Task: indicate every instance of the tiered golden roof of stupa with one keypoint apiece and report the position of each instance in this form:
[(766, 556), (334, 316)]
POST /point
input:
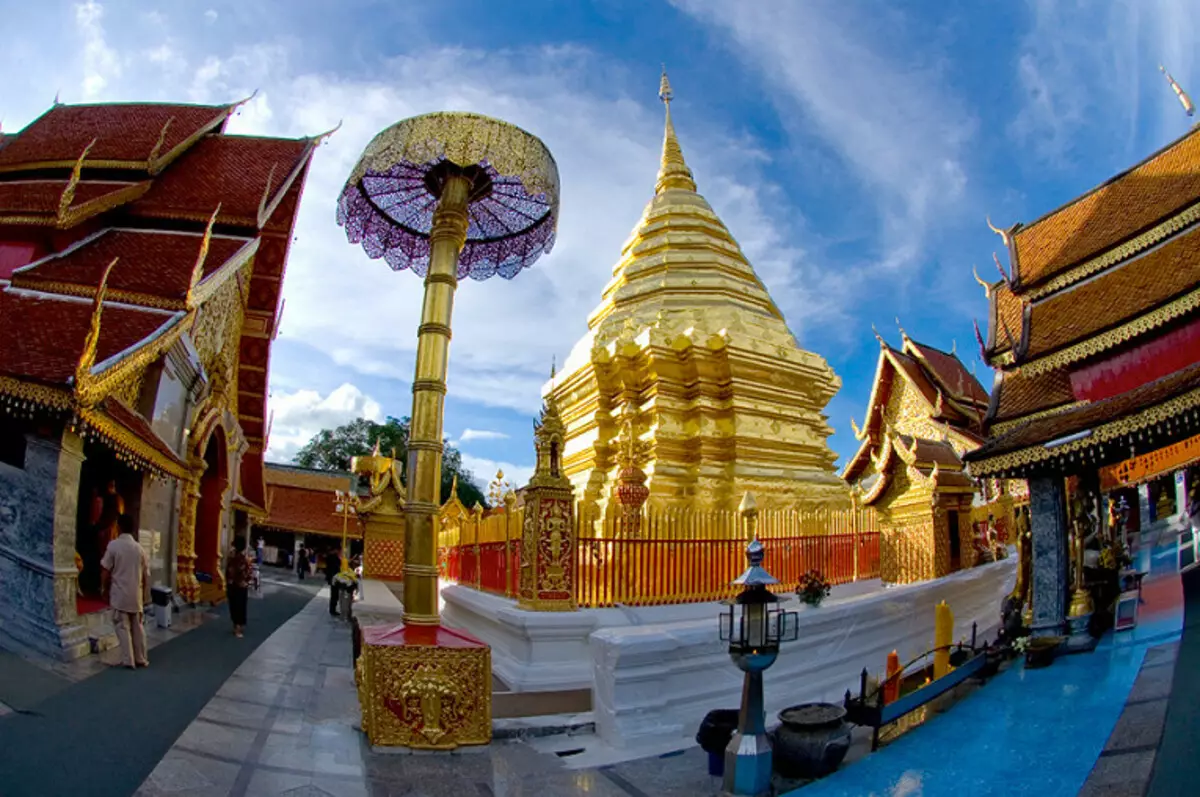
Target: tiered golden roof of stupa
[(688, 344)]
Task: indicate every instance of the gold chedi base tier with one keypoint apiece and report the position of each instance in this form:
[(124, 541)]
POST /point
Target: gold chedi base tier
[(424, 687), (688, 349)]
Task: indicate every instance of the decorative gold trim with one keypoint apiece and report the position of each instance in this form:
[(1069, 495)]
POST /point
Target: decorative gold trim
[(205, 290), (201, 257), (1107, 340), (134, 448), (99, 386), (1116, 255), (67, 197), (87, 358), (1101, 434), (24, 281), (1004, 426), (32, 393)]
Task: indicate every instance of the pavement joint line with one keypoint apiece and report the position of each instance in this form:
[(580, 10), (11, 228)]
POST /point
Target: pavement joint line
[(1143, 701), (246, 772), (620, 781), (1157, 664), (254, 765), (240, 726), (1141, 748)]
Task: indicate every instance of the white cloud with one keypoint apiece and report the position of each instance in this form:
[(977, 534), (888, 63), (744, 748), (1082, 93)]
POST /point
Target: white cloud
[(101, 63), (889, 119), (210, 16), (484, 470), (297, 417), (480, 434)]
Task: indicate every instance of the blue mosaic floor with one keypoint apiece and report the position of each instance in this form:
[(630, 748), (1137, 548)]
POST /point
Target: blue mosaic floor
[(1026, 732)]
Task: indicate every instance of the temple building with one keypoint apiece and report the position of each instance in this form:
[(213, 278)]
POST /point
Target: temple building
[(142, 254), (1095, 338), (688, 353), (924, 413), (302, 510)]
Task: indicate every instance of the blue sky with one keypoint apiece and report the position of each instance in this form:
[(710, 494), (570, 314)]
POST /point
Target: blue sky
[(853, 148)]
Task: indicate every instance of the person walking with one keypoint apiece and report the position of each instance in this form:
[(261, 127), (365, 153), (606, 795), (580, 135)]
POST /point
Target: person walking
[(258, 552), (333, 566), (237, 584), (302, 562), (125, 580)]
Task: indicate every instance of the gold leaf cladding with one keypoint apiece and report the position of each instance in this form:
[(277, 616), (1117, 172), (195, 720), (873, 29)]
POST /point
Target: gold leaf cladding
[(215, 335)]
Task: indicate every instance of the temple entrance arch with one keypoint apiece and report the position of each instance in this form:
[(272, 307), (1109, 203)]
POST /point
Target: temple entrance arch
[(209, 509)]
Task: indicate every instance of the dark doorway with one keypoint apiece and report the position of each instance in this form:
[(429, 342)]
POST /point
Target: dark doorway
[(108, 488)]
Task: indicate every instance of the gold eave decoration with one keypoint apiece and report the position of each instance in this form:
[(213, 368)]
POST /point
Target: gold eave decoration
[(21, 395), (1110, 258), (1006, 426), (463, 138), (1101, 434), (74, 214), (89, 292), (129, 446), (1114, 337)]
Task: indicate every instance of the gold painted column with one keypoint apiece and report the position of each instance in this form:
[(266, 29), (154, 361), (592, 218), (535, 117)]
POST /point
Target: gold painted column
[(185, 551), (447, 238)]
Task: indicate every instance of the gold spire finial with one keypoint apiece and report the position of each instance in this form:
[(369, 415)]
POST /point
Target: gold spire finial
[(673, 171), (1184, 99), (87, 358), (375, 452), (1005, 235), (198, 269), (987, 288), (68, 194)]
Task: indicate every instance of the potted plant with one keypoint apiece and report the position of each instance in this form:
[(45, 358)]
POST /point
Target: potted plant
[(813, 588)]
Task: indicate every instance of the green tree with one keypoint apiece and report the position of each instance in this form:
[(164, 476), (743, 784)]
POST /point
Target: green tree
[(332, 449)]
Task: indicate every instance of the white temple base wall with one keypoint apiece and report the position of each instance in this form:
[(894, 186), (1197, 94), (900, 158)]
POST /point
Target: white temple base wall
[(549, 651), (658, 681)]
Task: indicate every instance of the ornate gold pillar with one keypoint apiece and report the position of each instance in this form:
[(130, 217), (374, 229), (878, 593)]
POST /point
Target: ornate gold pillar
[(447, 238), (185, 551)]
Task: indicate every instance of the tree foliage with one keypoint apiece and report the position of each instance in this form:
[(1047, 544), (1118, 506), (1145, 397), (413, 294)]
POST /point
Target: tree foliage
[(332, 449)]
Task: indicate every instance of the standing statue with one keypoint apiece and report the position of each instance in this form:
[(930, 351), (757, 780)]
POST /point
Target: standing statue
[(1084, 532)]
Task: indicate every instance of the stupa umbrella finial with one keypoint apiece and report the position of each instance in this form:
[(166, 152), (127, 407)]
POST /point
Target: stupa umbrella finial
[(1184, 99), (673, 172)]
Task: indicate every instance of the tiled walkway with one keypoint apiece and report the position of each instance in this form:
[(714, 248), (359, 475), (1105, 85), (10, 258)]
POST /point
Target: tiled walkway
[(1031, 732), (287, 723)]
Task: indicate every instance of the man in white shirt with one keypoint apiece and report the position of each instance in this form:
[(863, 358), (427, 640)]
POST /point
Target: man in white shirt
[(125, 578)]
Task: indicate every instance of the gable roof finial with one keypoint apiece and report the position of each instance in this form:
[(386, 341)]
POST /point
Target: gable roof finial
[(987, 288), (1184, 99), (1000, 268), (91, 344), (1005, 235), (878, 337), (68, 194), (198, 269), (903, 334), (673, 171)]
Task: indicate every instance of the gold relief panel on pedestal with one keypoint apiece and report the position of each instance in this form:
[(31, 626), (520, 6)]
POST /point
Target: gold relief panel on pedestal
[(426, 697)]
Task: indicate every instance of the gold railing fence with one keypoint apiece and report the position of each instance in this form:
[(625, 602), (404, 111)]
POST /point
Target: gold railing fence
[(668, 523)]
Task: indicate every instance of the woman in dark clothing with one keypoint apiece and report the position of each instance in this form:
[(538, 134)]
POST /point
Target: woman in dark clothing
[(237, 584)]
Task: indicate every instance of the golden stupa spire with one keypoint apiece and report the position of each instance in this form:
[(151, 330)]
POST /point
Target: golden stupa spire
[(1184, 99), (674, 172)]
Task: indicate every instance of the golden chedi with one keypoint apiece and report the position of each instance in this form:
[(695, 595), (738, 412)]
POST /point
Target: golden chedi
[(689, 354)]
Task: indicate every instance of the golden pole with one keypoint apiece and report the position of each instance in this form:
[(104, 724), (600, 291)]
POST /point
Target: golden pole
[(447, 237)]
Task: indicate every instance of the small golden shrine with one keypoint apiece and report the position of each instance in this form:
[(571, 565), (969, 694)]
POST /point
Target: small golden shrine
[(924, 413), (381, 513), (689, 345), (547, 581)]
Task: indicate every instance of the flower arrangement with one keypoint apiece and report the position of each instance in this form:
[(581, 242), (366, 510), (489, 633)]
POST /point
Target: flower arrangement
[(1114, 557), (813, 588), (1021, 644), (346, 581)]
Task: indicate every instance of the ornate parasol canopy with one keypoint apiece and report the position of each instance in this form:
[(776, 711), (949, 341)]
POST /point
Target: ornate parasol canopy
[(389, 199)]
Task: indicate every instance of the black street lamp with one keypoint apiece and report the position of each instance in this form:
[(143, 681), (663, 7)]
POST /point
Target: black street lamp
[(754, 626)]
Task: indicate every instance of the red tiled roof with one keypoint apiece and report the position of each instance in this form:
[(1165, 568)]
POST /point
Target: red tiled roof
[(151, 263), (1131, 289), (1007, 313), (1055, 427), (1158, 187), (123, 132), (42, 337), (1019, 394), (234, 171), (934, 452), (299, 509), (140, 428), (952, 374), (251, 481), (41, 197), (308, 478), (916, 374)]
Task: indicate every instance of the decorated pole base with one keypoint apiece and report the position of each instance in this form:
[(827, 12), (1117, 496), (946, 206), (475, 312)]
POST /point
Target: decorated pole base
[(424, 687)]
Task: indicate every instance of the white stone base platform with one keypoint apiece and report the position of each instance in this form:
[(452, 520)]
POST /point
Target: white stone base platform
[(655, 671)]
